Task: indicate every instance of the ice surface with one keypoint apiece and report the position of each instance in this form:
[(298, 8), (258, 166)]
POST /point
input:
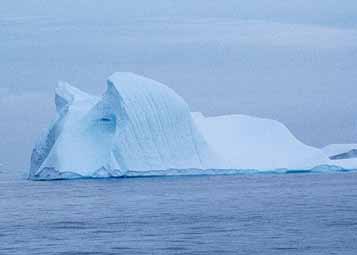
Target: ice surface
[(140, 127), (253, 143)]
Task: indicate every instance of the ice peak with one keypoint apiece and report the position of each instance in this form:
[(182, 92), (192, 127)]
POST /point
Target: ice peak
[(67, 94), (129, 79), (123, 75)]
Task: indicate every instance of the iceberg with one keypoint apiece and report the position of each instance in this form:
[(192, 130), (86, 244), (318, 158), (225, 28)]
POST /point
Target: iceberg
[(140, 127)]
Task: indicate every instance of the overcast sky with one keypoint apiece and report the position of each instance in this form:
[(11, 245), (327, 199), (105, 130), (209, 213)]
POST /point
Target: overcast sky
[(294, 61)]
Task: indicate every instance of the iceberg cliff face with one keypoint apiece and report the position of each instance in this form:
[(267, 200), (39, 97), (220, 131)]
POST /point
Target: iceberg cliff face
[(138, 125), (160, 133)]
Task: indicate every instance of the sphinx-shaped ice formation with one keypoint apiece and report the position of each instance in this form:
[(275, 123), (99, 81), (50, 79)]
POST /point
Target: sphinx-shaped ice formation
[(140, 127)]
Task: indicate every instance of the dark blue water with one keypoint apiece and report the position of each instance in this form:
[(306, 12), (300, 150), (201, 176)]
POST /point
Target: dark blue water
[(258, 214)]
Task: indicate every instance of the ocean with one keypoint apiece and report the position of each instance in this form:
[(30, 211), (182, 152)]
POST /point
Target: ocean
[(266, 214)]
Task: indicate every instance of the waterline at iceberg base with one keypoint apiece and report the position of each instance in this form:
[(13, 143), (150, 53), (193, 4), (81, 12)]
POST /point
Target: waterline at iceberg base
[(139, 125), (52, 174)]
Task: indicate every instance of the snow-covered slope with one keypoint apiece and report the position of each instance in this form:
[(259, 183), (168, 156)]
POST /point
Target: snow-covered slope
[(254, 143), (138, 125)]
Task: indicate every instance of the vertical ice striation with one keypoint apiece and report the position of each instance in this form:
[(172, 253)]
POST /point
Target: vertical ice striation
[(160, 133)]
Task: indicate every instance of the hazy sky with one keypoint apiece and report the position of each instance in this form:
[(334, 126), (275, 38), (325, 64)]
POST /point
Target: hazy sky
[(294, 61)]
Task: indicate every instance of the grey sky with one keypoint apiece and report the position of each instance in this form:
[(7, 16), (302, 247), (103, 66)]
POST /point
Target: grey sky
[(294, 61)]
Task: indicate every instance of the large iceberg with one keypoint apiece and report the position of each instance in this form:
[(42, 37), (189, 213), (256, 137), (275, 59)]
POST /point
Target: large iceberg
[(141, 127)]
